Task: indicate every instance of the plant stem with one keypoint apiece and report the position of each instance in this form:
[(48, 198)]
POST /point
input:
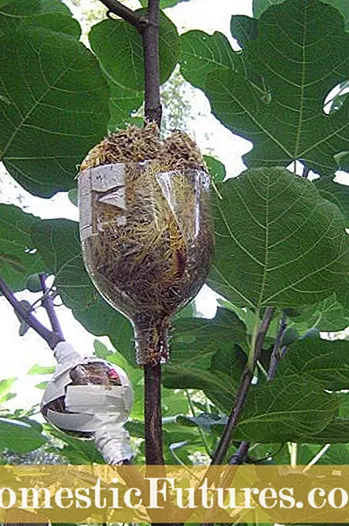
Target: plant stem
[(152, 415), (48, 305), (150, 35), (202, 434), (233, 420), (276, 353), (139, 22), (51, 337), (240, 454)]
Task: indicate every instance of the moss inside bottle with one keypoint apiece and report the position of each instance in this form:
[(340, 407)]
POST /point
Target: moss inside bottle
[(146, 229)]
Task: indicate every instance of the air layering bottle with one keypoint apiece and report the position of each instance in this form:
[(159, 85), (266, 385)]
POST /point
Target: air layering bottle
[(146, 229)]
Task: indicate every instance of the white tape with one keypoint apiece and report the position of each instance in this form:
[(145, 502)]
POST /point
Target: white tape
[(100, 410)]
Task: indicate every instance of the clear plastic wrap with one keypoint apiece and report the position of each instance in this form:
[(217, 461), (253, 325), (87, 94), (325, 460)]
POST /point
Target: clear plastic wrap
[(147, 240)]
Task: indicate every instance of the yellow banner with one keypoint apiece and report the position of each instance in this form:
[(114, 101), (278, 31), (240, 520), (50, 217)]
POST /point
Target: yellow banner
[(168, 494)]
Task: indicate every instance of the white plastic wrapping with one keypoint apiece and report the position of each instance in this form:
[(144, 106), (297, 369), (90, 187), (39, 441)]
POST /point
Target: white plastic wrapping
[(93, 410)]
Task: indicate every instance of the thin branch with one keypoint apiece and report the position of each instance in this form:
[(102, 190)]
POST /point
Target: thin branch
[(47, 303), (50, 337), (118, 9), (276, 354), (150, 34), (202, 434), (225, 441), (240, 454)]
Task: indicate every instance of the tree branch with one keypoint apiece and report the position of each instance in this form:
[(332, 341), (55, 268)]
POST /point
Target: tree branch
[(139, 22), (51, 337), (48, 305), (153, 112), (226, 438), (150, 34), (152, 415)]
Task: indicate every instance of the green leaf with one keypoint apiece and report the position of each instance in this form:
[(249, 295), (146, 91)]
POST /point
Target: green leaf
[(118, 46), (40, 369), (337, 194), (54, 21), (335, 432), (13, 12), (5, 388), (202, 53), (41, 385), (53, 108), (217, 387), (58, 243), (216, 168), (290, 123), (18, 258), (328, 316), (54, 6), (76, 451), (243, 29), (122, 103), (19, 437), (198, 339), (321, 361), (259, 6), (283, 411), (278, 242)]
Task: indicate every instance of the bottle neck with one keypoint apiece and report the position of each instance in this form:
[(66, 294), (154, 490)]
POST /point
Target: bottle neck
[(151, 338)]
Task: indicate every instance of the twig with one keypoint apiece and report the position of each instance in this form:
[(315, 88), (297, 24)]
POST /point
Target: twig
[(240, 454), (202, 434), (51, 337), (277, 353), (47, 303), (225, 441), (139, 22), (150, 34)]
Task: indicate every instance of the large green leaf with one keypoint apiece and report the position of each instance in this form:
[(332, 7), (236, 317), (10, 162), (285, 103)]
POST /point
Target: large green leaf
[(285, 411), (13, 12), (55, 22), (52, 14), (54, 6), (278, 242), (337, 193), (122, 103), (19, 437), (59, 245), (320, 361), (18, 258), (286, 121), (282, 411), (118, 46), (327, 316), (243, 28), (202, 53), (197, 339), (259, 6), (219, 387), (336, 432), (53, 106)]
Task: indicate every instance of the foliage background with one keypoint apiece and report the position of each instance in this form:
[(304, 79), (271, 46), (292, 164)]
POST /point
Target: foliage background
[(281, 240)]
